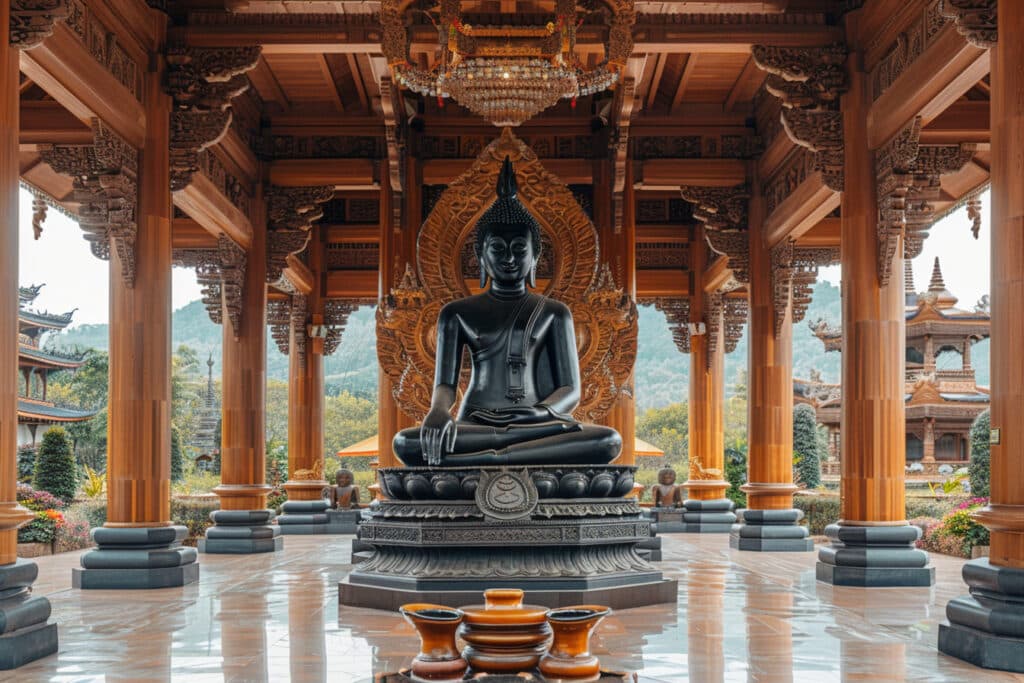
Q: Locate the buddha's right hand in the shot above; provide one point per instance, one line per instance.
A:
(437, 436)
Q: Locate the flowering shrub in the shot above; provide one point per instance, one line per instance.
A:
(42, 529)
(72, 535)
(957, 533)
(38, 501)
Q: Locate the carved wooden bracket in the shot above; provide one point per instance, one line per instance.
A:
(32, 21)
(822, 133)
(336, 312)
(803, 77)
(280, 245)
(734, 317)
(794, 272)
(221, 273)
(104, 185)
(202, 82)
(975, 20)
(677, 313)
(908, 180)
(291, 212)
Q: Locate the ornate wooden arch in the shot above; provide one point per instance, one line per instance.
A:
(605, 317)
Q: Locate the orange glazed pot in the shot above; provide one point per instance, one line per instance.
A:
(503, 635)
(569, 658)
(439, 658)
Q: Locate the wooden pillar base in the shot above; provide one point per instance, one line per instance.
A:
(305, 489)
(242, 496)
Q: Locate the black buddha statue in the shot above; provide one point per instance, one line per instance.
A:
(525, 379)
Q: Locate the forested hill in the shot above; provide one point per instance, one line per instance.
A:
(662, 372)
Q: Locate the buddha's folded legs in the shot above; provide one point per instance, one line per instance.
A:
(563, 443)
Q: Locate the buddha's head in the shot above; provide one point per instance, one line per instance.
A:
(507, 236)
(666, 476)
(343, 478)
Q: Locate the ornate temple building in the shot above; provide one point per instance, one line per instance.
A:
(942, 402)
(35, 363)
(306, 158)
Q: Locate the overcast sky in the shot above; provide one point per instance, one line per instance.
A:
(76, 279)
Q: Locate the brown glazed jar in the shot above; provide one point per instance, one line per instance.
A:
(439, 658)
(569, 658)
(503, 635)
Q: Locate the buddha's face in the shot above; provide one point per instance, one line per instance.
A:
(667, 477)
(344, 478)
(508, 253)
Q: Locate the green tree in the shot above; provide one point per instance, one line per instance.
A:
(177, 456)
(806, 458)
(978, 470)
(668, 428)
(56, 471)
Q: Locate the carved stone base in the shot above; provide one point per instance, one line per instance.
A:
(25, 635)
(560, 550)
(240, 532)
(709, 516)
(770, 531)
(873, 556)
(987, 627)
(137, 557)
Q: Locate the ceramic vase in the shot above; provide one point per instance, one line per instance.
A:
(569, 657)
(439, 658)
(503, 635)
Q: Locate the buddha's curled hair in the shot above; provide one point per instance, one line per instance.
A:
(507, 210)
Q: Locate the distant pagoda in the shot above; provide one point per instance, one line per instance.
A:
(204, 440)
(941, 404)
(36, 363)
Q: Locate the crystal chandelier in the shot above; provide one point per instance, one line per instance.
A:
(508, 74)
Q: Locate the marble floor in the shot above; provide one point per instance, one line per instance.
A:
(275, 617)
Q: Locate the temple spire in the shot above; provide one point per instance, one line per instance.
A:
(937, 284)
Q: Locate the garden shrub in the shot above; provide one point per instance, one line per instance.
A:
(26, 463)
(979, 467)
(819, 512)
(194, 514)
(806, 457)
(55, 469)
(736, 475)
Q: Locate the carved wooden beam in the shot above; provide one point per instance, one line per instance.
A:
(221, 274)
(976, 20)
(105, 186)
(32, 21)
(202, 82)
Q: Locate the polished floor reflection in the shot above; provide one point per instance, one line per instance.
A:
(740, 617)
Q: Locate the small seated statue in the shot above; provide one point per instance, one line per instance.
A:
(344, 495)
(666, 494)
(525, 379)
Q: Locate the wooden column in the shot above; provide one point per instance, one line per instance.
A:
(873, 437)
(1005, 515)
(139, 410)
(12, 515)
(707, 387)
(306, 390)
(770, 418)
(395, 253)
(243, 452)
(618, 250)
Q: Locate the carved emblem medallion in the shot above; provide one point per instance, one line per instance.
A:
(506, 495)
